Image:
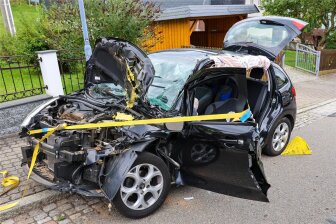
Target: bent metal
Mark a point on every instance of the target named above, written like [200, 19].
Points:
[115, 145]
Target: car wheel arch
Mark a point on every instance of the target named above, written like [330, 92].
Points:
[291, 119]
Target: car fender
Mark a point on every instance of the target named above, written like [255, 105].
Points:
[117, 168]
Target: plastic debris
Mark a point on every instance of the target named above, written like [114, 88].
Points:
[298, 146]
[189, 198]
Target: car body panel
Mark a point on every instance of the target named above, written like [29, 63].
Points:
[110, 61]
[233, 167]
[223, 158]
[267, 35]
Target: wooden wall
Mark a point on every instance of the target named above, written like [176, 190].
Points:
[178, 33]
[215, 30]
[171, 34]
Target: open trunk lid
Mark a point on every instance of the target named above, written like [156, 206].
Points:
[267, 35]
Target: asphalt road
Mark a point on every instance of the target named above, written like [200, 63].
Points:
[303, 190]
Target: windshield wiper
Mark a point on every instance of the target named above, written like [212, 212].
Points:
[161, 87]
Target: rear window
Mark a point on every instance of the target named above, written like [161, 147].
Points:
[280, 78]
[267, 35]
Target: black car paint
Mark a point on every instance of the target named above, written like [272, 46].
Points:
[248, 165]
[234, 168]
[277, 108]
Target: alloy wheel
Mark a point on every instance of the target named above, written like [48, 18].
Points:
[280, 136]
[142, 186]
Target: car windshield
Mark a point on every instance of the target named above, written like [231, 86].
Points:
[106, 90]
[172, 70]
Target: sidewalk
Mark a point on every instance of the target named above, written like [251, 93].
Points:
[317, 95]
[311, 90]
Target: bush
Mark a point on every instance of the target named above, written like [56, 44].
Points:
[331, 43]
[59, 26]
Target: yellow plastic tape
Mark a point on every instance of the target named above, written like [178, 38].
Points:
[15, 180]
[243, 116]
[236, 116]
[8, 182]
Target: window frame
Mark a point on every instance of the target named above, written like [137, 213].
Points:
[276, 67]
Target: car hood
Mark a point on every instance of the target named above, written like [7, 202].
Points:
[122, 63]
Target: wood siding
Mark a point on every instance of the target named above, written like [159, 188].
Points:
[171, 34]
[215, 30]
[178, 33]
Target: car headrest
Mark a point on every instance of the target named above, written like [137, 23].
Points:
[257, 73]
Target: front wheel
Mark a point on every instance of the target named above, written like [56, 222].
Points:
[278, 137]
[144, 188]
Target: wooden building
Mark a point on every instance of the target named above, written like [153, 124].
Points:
[197, 25]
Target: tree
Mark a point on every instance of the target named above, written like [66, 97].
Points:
[59, 26]
[318, 13]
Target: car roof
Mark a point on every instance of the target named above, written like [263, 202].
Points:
[190, 51]
[197, 52]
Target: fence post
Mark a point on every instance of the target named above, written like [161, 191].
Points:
[297, 54]
[50, 72]
[318, 61]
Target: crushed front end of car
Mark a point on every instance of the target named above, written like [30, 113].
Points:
[134, 165]
[76, 160]
[83, 161]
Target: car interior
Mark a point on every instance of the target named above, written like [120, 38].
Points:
[219, 96]
[257, 89]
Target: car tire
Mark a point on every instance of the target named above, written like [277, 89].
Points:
[144, 188]
[278, 138]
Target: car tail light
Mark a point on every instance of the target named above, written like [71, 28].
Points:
[293, 91]
[298, 24]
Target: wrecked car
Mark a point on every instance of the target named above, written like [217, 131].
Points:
[133, 166]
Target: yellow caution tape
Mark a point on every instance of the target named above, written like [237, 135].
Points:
[123, 117]
[14, 181]
[298, 146]
[242, 116]
[8, 182]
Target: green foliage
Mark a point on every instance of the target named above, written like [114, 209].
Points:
[318, 14]
[59, 27]
[331, 43]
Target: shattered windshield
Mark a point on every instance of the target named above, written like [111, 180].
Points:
[172, 70]
[106, 90]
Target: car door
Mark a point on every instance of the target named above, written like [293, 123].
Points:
[267, 35]
[222, 156]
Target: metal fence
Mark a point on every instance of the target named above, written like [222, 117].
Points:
[307, 59]
[20, 77]
[72, 69]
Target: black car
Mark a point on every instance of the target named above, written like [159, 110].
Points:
[132, 165]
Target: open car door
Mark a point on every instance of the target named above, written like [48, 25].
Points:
[222, 156]
[267, 35]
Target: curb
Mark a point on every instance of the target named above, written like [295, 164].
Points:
[31, 202]
[300, 111]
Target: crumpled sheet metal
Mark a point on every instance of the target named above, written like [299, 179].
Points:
[245, 61]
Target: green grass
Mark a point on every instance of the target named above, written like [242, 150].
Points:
[22, 12]
[17, 80]
[305, 61]
[290, 58]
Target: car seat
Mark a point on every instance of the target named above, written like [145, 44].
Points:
[257, 91]
[227, 100]
[204, 96]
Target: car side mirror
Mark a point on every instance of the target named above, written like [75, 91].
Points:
[174, 126]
